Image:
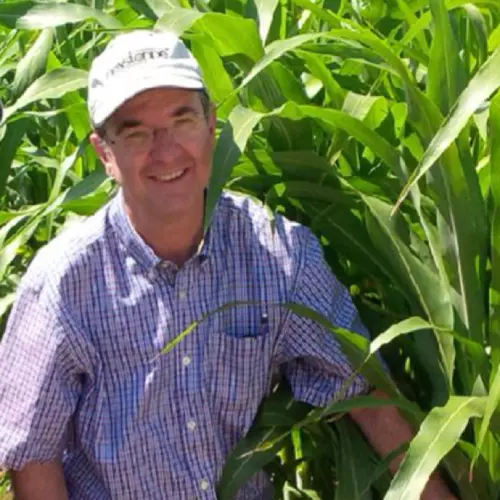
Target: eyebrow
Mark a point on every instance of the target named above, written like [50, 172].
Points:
[127, 124]
[131, 123]
[184, 110]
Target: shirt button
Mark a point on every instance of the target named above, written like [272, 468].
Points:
[165, 264]
[182, 294]
[186, 360]
[191, 425]
[204, 485]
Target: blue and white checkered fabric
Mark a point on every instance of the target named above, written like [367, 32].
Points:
[81, 377]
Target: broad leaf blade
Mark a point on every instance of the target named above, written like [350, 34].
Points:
[230, 35]
[480, 88]
[50, 86]
[446, 74]
[8, 148]
[33, 64]
[261, 443]
[438, 434]
[265, 10]
[231, 144]
[494, 292]
[492, 405]
[34, 15]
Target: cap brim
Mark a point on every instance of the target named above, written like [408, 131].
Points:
[132, 88]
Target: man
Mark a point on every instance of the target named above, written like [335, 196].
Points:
[89, 409]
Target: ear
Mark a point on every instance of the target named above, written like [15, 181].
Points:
[105, 154]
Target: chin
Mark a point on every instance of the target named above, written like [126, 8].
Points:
[171, 210]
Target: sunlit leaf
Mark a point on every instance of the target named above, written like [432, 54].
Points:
[438, 434]
[50, 86]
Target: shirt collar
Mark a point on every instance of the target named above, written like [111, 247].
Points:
[141, 252]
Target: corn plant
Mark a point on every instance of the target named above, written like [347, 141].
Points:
[375, 123]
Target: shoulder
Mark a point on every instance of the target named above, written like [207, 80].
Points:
[248, 222]
[73, 250]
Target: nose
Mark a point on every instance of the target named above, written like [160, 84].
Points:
[165, 143]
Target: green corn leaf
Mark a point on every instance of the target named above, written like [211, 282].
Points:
[260, 445]
[75, 106]
[351, 238]
[347, 405]
[178, 20]
[6, 68]
[84, 189]
[161, 7]
[438, 434]
[10, 12]
[355, 462]
[446, 73]
[494, 292]
[231, 144]
[460, 224]
[372, 110]
[50, 86]
[492, 405]
[33, 64]
[265, 13]
[63, 169]
[406, 326]
[479, 25]
[413, 324]
[271, 412]
[320, 13]
[216, 79]
[310, 190]
[8, 148]
[420, 279]
[412, 21]
[319, 69]
[242, 121]
[480, 88]
[274, 51]
[33, 15]
[424, 290]
[230, 35]
[22, 235]
[5, 303]
[9, 225]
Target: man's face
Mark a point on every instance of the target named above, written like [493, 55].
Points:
[158, 146]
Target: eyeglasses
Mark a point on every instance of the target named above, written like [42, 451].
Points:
[141, 139]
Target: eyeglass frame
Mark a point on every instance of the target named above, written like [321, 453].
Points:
[205, 102]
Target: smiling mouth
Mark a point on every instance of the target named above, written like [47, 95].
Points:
[169, 177]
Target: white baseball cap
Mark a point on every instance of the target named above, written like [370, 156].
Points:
[137, 61]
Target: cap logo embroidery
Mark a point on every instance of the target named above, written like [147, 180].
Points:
[138, 57]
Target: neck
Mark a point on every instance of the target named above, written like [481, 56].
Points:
[175, 239]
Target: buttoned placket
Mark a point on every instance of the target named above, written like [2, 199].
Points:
[179, 288]
[180, 293]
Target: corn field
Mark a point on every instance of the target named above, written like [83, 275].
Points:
[377, 124]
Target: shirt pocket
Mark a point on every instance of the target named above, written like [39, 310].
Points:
[238, 371]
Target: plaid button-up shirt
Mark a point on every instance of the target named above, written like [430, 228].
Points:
[82, 378]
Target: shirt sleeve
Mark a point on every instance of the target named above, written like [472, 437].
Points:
[39, 379]
[311, 357]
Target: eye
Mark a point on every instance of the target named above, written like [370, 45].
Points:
[185, 121]
[137, 135]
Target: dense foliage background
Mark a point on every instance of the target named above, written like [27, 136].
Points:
[377, 124]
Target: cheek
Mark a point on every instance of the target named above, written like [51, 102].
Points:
[205, 151]
[129, 166]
